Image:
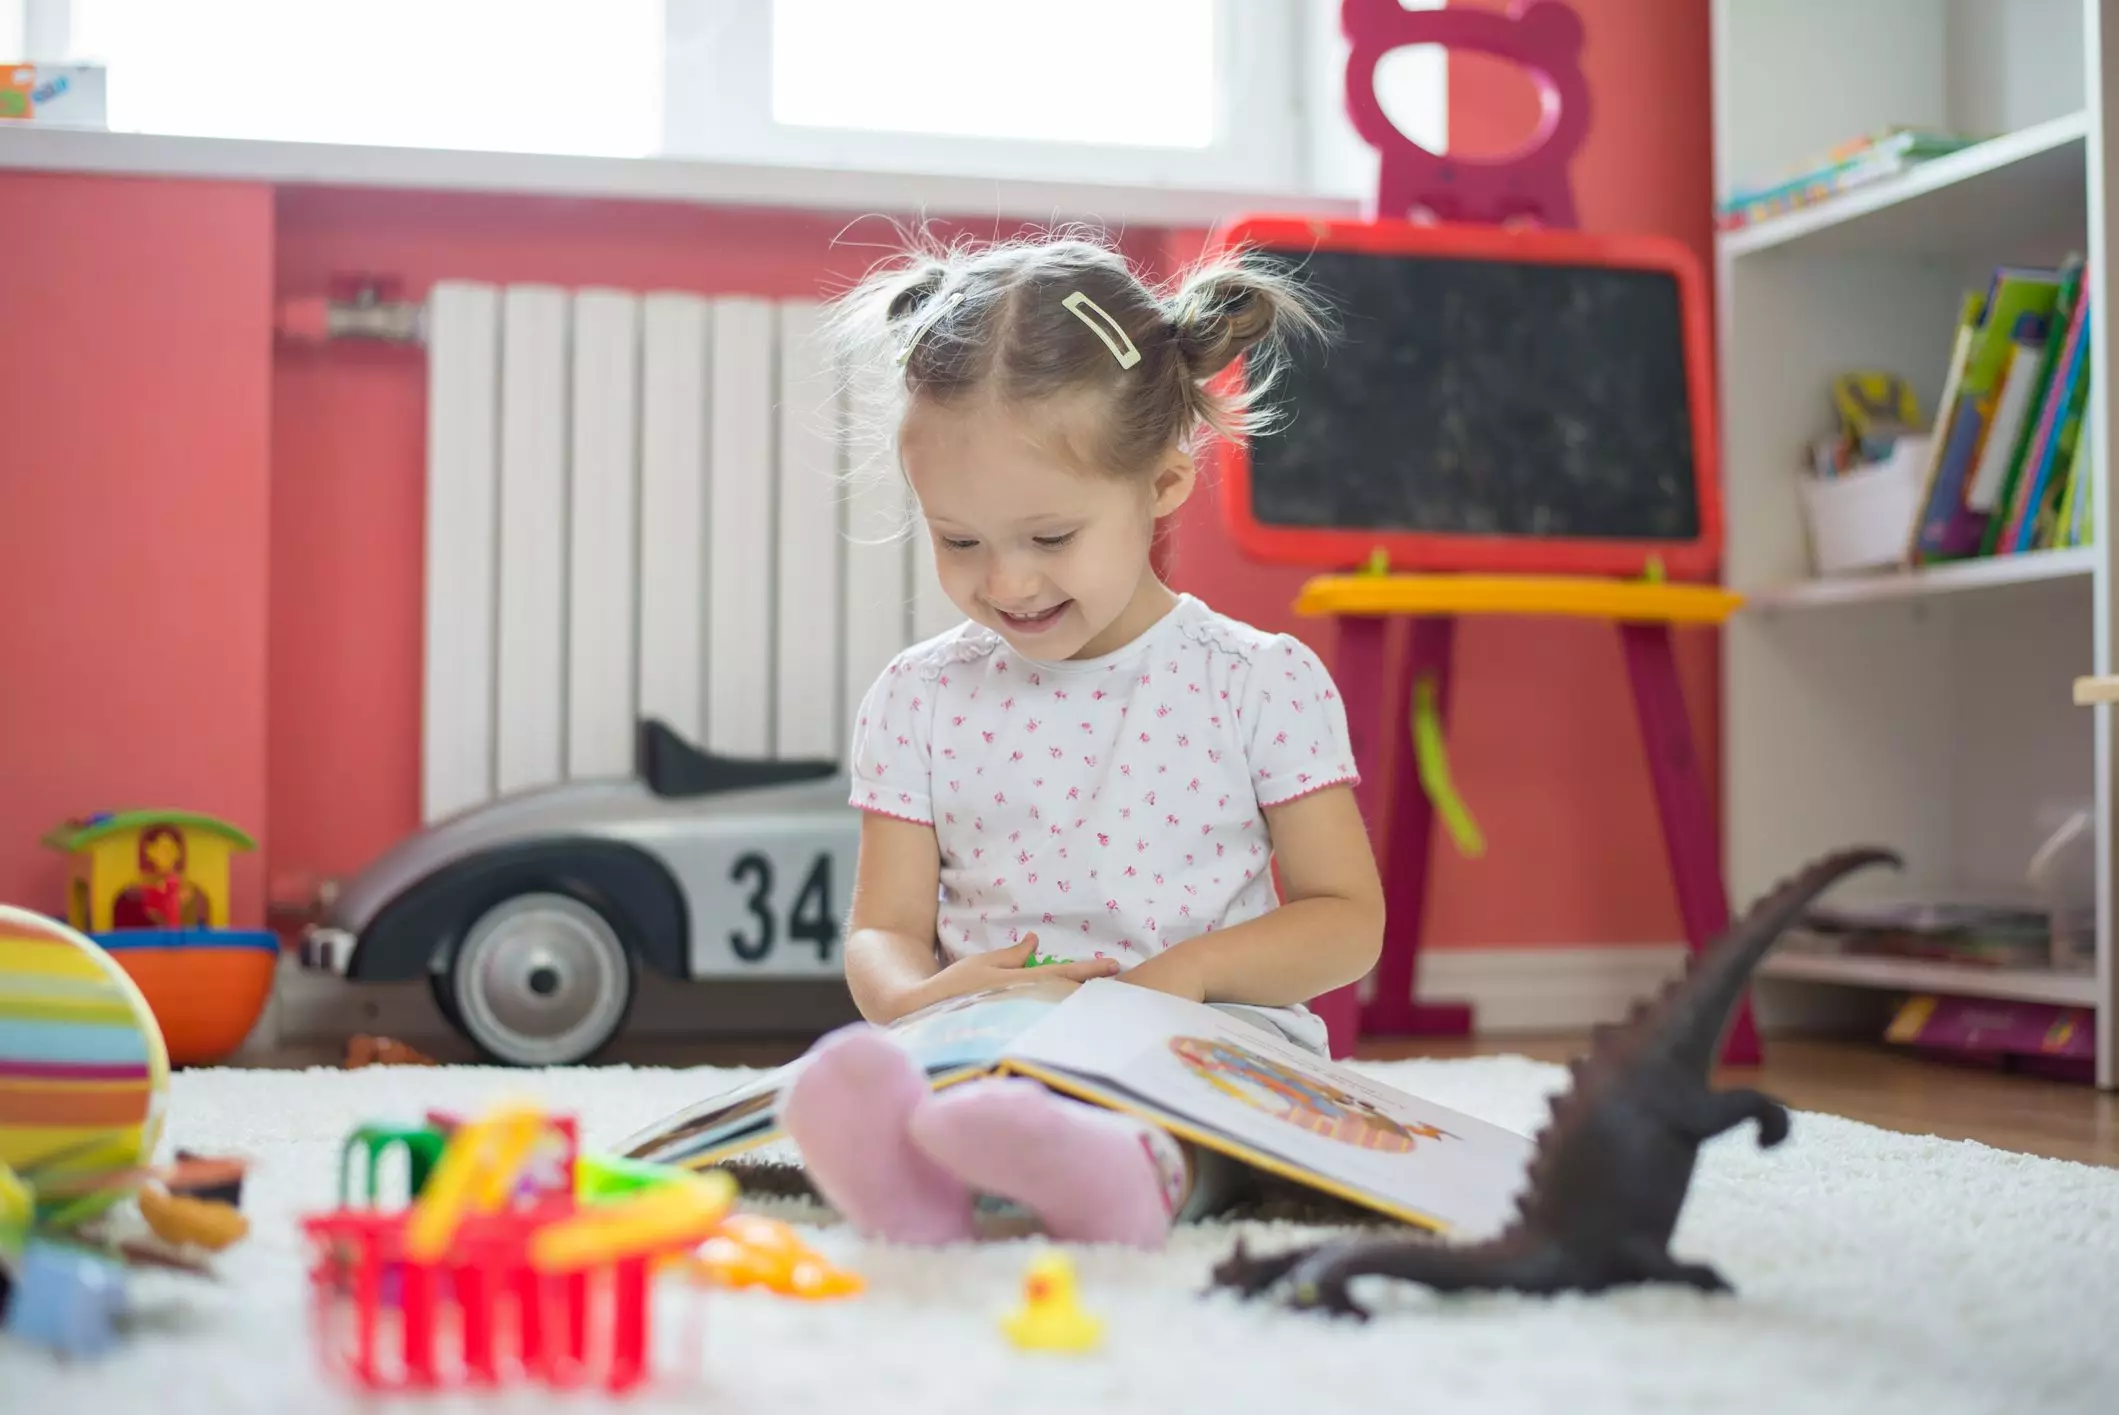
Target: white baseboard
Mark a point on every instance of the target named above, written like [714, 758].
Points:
[1518, 990]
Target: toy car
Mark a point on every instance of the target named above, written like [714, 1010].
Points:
[530, 914]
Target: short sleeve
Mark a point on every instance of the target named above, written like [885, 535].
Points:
[1296, 723]
[889, 748]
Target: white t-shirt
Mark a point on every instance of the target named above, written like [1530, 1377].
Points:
[1110, 805]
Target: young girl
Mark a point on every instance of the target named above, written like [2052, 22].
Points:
[1092, 768]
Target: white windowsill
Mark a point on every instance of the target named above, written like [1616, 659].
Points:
[850, 191]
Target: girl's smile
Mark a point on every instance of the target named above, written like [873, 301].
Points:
[1036, 622]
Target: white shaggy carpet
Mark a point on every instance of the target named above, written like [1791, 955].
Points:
[1875, 1272]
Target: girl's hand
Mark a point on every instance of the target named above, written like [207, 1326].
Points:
[1002, 966]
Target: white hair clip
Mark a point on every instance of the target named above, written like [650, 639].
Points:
[942, 307]
[1121, 348]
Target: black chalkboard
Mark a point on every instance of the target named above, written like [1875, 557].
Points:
[1481, 396]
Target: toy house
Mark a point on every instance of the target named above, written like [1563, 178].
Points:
[148, 869]
[152, 888]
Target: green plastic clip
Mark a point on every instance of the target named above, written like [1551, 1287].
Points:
[600, 1178]
[1434, 772]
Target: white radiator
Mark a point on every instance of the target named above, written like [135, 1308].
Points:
[635, 508]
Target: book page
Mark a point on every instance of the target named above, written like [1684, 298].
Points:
[1320, 1121]
[952, 1037]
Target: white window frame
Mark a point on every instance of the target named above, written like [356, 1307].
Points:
[717, 105]
[35, 29]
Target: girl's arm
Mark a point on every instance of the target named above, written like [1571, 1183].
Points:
[891, 963]
[890, 949]
[1327, 932]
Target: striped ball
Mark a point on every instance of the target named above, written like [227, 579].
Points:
[83, 1072]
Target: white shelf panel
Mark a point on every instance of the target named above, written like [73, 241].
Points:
[1923, 975]
[1989, 572]
[2027, 183]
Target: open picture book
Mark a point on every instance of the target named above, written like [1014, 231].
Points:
[1201, 1073]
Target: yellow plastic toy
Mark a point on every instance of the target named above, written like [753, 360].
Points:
[685, 1210]
[750, 1250]
[1050, 1319]
[147, 869]
[191, 1222]
[476, 1174]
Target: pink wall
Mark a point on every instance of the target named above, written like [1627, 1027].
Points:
[1543, 743]
[134, 384]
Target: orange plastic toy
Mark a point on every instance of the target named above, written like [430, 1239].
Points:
[748, 1250]
[152, 888]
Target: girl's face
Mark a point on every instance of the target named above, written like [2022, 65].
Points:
[1053, 559]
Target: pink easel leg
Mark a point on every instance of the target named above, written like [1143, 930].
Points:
[1359, 670]
[1690, 836]
[1394, 1011]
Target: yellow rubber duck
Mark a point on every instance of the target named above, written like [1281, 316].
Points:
[1049, 1319]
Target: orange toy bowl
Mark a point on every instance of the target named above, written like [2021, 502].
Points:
[206, 987]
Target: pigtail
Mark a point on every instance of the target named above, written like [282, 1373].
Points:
[869, 322]
[1222, 311]
[912, 288]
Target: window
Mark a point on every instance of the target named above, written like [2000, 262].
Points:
[1126, 72]
[563, 76]
[1179, 92]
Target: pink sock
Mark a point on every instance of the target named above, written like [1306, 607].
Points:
[847, 1112]
[1091, 1176]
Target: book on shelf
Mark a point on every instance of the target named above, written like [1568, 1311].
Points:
[1858, 162]
[1197, 1072]
[1974, 933]
[2005, 471]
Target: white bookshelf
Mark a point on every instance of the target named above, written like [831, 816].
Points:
[1929, 710]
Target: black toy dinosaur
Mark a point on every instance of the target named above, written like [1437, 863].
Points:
[1611, 1168]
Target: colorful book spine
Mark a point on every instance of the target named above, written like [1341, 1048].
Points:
[2058, 327]
[2062, 415]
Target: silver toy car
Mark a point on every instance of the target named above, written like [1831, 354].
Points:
[529, 914]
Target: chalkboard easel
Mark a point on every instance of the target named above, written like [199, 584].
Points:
[1517, 399]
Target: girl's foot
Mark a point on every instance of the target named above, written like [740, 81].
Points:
[1090, 1175]
[847, 1112]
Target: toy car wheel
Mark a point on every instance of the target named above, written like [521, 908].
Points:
[443, 987]
[540, 980]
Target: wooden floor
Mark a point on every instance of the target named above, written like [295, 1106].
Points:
[1883, 1086]
[1869, 1082]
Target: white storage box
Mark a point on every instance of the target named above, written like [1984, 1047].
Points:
[62, 95]
[1862, 519]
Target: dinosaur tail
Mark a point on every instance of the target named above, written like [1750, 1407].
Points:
[1717, 976]
[1494, 1266]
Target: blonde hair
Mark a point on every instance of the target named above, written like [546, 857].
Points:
[1013, 322]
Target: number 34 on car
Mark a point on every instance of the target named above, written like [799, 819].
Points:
[530, 916]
